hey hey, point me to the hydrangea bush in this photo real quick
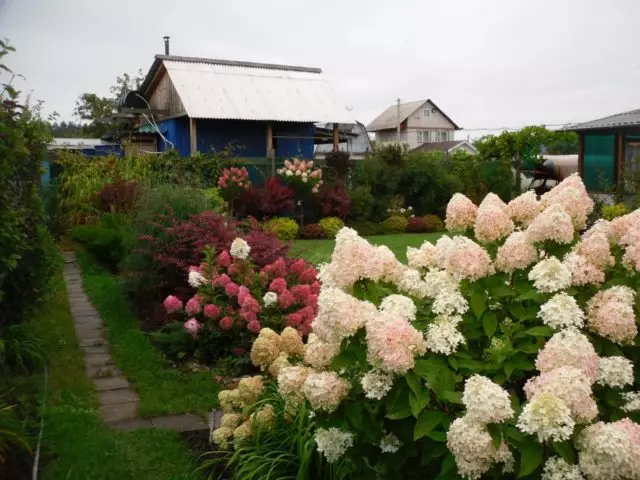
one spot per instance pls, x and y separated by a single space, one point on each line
301 175
505 350
234 300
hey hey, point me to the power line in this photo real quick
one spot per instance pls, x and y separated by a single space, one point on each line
480 129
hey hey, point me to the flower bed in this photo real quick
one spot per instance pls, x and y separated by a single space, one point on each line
506 350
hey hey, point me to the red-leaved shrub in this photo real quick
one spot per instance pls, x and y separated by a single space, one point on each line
118 197
332 199
265 246
313 230
270 200
416 225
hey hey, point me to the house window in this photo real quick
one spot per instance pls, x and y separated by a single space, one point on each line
423 136
442 136
426 112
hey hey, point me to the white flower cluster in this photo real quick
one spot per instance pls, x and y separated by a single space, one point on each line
561 311
333 442
399 305
615 372
548 417
270 298
390 443
376 384
239 249
486 402
443 335
550 275
196 279
558 469
632 401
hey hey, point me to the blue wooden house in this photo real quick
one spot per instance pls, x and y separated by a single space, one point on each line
260 110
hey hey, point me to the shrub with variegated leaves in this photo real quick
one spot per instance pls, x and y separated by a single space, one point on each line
506 350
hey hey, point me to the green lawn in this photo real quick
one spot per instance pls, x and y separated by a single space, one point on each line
318 251
162 389
76 444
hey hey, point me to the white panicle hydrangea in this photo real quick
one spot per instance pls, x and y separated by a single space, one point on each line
376 384
486 401
450 302
558 469
439 280
332 443
325 390
319 354
399 305
443 245
548 417
411 282
270 298
340 315
390 443
196 279
561 311
443 335
423 257
610 451
632 401
550 275
325 275
472 446
239 249
615 372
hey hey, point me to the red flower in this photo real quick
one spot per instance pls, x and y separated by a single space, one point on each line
172 304
234 269
309 275
193 305
249 316
226 323
278 285
297 267
238 351
315 288
285 299
301 292
307 313
254 326
211 310
312 301
224 259
231 289
276 269
243 294
223 280
294 319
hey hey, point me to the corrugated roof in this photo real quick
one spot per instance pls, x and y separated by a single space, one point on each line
624 119
249 91
78 143
389 118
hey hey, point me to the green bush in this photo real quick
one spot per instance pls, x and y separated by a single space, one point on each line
331 226
108 240
609 212
283 228
394 224
362 202
366 229
215 201
433 223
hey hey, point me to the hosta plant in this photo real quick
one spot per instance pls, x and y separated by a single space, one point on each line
506 350
234 300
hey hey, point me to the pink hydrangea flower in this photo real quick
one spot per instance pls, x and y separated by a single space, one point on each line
211 310
226 323
222 280
573 197
596 249
294 319
516 253
297 267
278 285
224 259
192 326
524 208
243 294
315 288
172 304
610 314
312 301
465 259
276 269
231 289
461 213
248 316
285 299
571 348
492 224
193 306
300 293
254 326
309 275
552 224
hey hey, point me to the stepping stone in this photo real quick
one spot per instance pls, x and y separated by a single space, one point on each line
106 371
93 349
180 423
89 322
110 383
120 411
97 341
130 425
215 419
86 332
114 397
98 360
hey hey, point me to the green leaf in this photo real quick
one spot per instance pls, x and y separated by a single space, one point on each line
447 464
355 415
541 331
478 304
428 420
453 397
414 383
565 450
437 436
530 458
489 323
502 291
496 434
417 403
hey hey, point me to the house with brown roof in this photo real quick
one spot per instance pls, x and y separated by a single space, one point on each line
414 124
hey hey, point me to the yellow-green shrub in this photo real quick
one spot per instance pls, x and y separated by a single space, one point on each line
331 226
283 228
609 212
394 224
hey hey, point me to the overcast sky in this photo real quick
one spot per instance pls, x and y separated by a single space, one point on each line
489 63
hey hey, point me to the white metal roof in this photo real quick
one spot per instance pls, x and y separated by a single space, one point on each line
77 143
238 92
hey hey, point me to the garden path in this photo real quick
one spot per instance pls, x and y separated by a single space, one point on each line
118 401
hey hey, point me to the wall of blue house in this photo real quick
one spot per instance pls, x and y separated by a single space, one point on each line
247 137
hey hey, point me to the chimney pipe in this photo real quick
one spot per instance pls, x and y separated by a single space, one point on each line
166 45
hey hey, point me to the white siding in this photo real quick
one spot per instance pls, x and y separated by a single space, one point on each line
435 120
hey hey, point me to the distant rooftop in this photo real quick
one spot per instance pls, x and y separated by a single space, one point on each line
624 119
78 143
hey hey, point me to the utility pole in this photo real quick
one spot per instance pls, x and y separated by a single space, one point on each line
398 119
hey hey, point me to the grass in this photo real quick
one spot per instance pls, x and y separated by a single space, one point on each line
163 390
76 445
319 251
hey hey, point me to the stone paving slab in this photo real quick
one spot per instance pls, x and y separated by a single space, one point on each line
106 371
119 411
180 423
110 383
115 397
97 341
131 424
93 349
98 360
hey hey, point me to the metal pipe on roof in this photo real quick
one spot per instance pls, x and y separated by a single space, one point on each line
166 44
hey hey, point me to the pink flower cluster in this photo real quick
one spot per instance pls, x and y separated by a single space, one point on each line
610 314
516 253
298 171
572 196
524 208
461 213
492 222
234 177
465 259
553 224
